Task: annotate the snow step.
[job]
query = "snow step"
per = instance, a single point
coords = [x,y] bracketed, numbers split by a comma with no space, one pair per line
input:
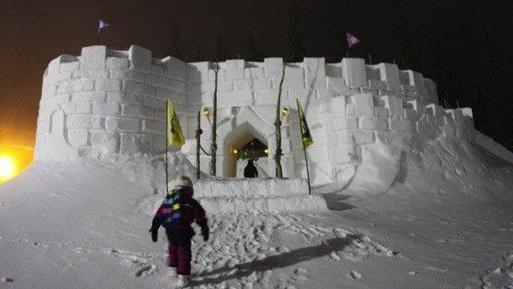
[268,204]
[250,188]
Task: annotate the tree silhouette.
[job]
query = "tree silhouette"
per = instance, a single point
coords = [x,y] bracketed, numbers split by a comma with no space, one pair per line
[296,49]
[405,49]
[220,51]
[175,42]
[252,50]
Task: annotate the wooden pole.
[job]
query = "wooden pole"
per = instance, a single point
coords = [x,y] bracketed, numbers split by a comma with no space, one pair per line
[307,170]
[198,146]
[167,136]
[277,124]
[213,145]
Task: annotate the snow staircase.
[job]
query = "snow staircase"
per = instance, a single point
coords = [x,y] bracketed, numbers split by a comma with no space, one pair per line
[262,194]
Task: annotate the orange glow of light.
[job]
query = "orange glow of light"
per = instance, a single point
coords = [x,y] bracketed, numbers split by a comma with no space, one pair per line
[7,168]
[13,160]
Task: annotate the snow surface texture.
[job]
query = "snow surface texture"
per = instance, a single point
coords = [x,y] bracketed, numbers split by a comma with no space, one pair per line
[443,221]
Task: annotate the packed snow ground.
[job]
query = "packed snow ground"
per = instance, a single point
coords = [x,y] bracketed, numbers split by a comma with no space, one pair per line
[443,221]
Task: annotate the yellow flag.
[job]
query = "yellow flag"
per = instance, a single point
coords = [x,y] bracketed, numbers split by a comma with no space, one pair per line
[174,131]
[306,137]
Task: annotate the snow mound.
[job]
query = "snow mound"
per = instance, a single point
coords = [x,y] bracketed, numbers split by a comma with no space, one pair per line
[489,144]
[378,170]
[85,225]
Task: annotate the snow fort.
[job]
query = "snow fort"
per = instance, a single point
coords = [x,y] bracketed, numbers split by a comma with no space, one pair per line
[113,102]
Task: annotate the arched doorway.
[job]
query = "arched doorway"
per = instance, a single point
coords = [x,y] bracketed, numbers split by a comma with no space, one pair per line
[242,136]
[256,151]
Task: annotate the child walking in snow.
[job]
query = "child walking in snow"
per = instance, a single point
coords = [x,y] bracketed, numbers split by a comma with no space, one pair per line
[177,212]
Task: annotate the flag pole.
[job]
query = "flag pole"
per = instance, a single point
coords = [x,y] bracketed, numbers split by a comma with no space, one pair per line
[307,170]
[198,146]
[304,151]
[167,136]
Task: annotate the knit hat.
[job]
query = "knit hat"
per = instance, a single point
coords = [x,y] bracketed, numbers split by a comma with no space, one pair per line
[183,181]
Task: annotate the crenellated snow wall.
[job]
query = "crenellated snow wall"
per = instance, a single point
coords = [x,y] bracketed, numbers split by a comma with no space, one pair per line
[113,102]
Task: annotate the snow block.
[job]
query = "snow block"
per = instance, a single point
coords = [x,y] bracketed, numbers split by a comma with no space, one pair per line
[273,66]
[390,74]
[106,108]
[337,84]
[354,72]
[340,123]
[249,187]
[70,66]
[105,142]
[254,73]
[276,204]
[431,90]
[117,63]
[242,195]
[364,103]
[75,86]
[198,72]
[234,73]
[93,57]
[415,78]
[394,105]
[98,96]
[76,107]
[400,125]
[359,137]
[84,121]
[122,124]
[54,67]
[377,84]
[315,73]
[370,123]
[78,138]
[140,58]
[154,126]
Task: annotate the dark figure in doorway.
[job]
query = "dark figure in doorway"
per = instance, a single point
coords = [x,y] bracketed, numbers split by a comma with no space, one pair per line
[250,171]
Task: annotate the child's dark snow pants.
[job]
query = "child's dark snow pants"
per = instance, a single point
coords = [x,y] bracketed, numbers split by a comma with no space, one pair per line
[180,249]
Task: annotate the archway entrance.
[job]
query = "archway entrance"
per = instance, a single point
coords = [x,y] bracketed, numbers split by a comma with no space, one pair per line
[254,150]
[241,144]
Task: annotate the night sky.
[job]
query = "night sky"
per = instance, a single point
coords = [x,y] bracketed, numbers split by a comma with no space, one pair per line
[34,32]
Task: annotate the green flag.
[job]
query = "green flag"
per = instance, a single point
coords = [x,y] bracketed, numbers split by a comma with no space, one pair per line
[306,137]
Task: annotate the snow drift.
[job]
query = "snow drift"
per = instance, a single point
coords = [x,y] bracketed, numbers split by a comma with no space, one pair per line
[435,214]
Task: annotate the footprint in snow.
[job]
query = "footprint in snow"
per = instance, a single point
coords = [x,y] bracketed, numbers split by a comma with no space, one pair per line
[145,271]
[300,274]
[354,275]
[7,280]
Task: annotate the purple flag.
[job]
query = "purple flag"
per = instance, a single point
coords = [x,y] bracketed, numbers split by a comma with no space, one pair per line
[351,40]
[102,24]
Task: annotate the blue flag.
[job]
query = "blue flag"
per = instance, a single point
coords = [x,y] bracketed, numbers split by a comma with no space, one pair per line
[102,24]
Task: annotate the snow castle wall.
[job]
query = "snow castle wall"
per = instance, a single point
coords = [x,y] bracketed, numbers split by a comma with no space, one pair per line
[111,101]
[107,101]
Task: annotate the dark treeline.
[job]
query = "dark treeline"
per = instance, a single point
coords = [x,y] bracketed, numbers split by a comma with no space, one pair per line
[420,47]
